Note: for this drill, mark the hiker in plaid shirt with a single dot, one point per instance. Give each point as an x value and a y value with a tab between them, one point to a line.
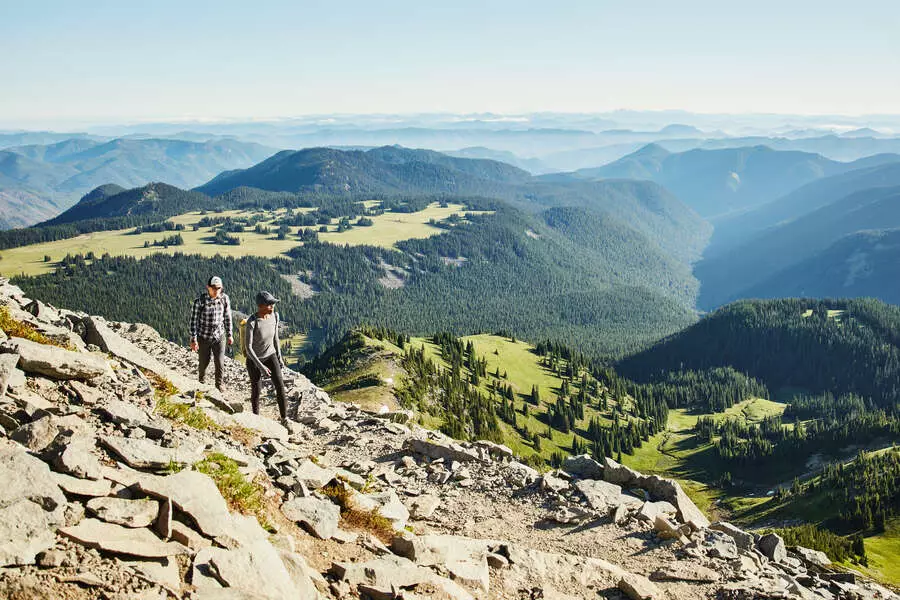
211	327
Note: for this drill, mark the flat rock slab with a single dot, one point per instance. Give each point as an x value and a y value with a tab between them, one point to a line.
121	540
196	495
464	558
127	513
256	569
686	572
125	413
422	507
437	447
83	487
265	427
637	587
57	363
601	495
379	578
26	477
145	454
321	517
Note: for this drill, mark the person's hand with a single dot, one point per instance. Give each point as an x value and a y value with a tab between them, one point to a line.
268	371
230	340
194	345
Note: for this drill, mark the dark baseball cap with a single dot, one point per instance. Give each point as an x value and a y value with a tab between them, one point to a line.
265	298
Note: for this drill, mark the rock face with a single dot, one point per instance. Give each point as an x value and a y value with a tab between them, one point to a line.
465	559
144	454
54	362
583	466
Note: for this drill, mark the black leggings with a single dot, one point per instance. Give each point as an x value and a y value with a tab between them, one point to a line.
272	363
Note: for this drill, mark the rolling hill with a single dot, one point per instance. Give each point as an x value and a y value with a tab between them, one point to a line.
53	176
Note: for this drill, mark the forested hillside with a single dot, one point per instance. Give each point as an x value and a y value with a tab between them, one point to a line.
503	270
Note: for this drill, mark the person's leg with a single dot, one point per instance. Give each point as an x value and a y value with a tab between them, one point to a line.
203	350
255	385
218	352
278	382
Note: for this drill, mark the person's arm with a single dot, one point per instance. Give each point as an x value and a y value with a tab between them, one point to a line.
229	325
250	331
278	342
195	319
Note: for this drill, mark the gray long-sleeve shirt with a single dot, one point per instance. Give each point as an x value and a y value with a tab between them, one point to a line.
262	339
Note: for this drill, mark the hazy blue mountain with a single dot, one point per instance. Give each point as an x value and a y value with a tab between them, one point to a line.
734	230
865	264
718	182
532	165
23	138
728	274
40	180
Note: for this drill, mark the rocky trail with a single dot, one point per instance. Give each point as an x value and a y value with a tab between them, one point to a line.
124	478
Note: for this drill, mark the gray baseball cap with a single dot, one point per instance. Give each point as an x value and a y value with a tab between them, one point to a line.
265	298
215	282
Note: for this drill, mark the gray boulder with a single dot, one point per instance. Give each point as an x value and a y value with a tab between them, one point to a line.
464	558
601	495
381	577
37	435
31	506
816	558
743	539
670	491
77	459
55	362
196	495
320	517
719	545
8	369
772	547
436	446
618	474
583	466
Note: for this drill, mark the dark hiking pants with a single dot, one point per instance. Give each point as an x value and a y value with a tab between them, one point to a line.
216	350
256	384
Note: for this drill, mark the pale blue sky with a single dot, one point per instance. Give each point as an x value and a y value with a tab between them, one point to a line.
104	61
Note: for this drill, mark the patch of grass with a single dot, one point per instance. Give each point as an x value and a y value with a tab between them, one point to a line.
883	551
190	416
15	328
162	385
356	518
241	495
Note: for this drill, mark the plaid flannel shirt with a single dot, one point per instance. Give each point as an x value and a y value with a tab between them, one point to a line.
211	317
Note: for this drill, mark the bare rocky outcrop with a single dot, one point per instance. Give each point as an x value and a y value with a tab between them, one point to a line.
103	496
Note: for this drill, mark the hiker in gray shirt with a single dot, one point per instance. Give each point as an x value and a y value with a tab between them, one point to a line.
263	351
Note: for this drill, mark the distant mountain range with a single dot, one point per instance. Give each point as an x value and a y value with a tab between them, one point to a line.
37	181
716	183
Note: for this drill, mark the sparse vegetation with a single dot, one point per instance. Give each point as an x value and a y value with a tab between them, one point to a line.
241	495
356	518
15	328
